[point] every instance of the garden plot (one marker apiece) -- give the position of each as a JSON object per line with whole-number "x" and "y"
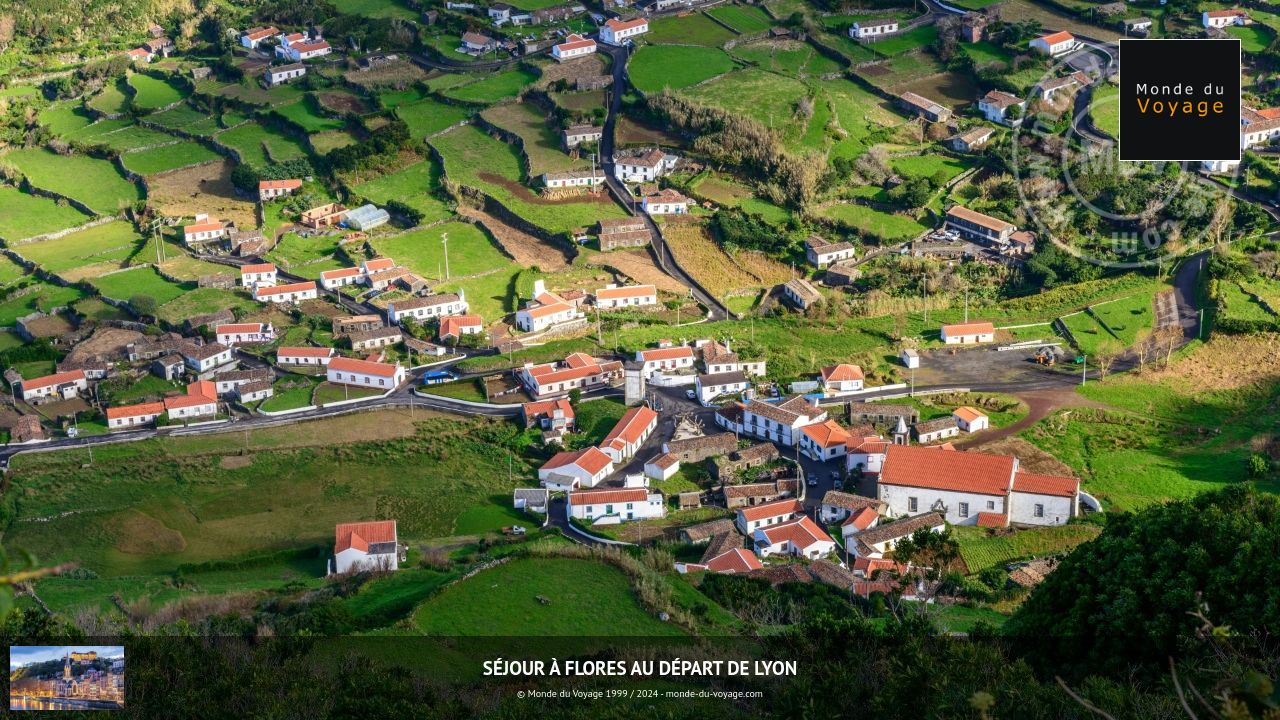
{"x": 416, "y": 185}
{"x": 151, "y": 93}
{"x": 94, "y": 182}
{"x": 541, "y": 141}
{"x": 24, "y": 216}
{"x": 471, "y": 252}
{"x": 474, "y": 159}
{"x": 259, "y": 145}
{"x": 745, "y": 19}
{"x": 493, "y": 88}
{"x": 672, "y": 67}
{"x": 84, "y": 253}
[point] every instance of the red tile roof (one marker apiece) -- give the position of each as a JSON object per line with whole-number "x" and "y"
{"x": 800, "y": 532}
{"x": 1063, "y": 36}
{"x": 617, "y": 25}
{"x": 937, "y": 469}
{"x": 379, "y": 263}
{"x": 575, "y": 42}
{"x": 861, "y": 519}
{"x": 453, "y": 324}
{"x": 124, "y": 411}
{"x": 626, "y": 291}
{"x": 279, "y": 184}
{"x": 54, "y": 379}
{"x": 632, "y": 425}
{"x": 773, "y": 509}
{"x": 601, "y": 497}
{"x": 593, "y": 460}
{"x": 968, "y": 414}
{"x": 239, "y": 328}
{"x": 841, "y": 373}
{"x": 203, "y": 227}
{"x": 973, "y": 328}
{"x": 672, "y": 353}
{"x": 545, "y": 407}
{"x": 304, "y": 352}
{"x": 284, "y": 289}
{"x": 364, "y": 367}
{"x": 992, "y": 520}
{"x": 826, "y": 434}
{"x": 341, "y": 273}
{"x": 1026, "y": 482}
{"x": 258, "y": 268}
{"x": 360, "y": 535}
{"x": 734, "y": 561}
{"x": 978, "y": 218}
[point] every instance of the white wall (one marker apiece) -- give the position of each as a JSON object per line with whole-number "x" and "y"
{"x": 1057, "y": 510}
{"x": 896, "y": 497}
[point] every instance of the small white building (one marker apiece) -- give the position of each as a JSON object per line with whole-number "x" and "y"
{"x": 665, "y": 359}
{"x": 995, "y": 107}
{"x": 910, "y": 358}
{"x": 254, "y": 36}
{"x": 801, "y": 293}
{"x": 934, "y": 430}
{"x": 824, "y": 441}
{"x": 258, "y": 275}
{"x": 665, "y": 202}
{"x": 304, "y": 356}
{"x": 710, "y": 387}
{"x": 646, "y": 167}
{"x": 539, "y": 317}
{"x": 1055, "y": 44}
{"x": 872, "y": 29}
{"x": 749, "y": 519}
{"x": 272, "y": 189}
{"x": 127, "y": 416}
{"x": 968, "y": 333}
{"x": 334, "y": 279}
{"x": 206, "y": 230}
{"x": 457, "y": 326}
{"x": 63, "y": 386}
{"x": 629, "y": 434}
{"x": 364, "y": 373}
{"x": 298, "y": 47}
{"x": 201, "y": 359}
{"x": 573, "y": 178}
{"x": 800, "y": 537}
{"x": 610, "y": 506}
{"x": 1224, "y": 18}
{"x": 291, "y": 293}
{"x": 614, "y": 297}
{"x": 841, "y": 378}
{"x": 620, "y": 32}
{"x": 280, "y": 74}
{"x": 421, "y": 308}
{"x": 574, "y": 46}
{"x": 572, "y": 470}
{"x": 366, "y": 547}
{"x": 200, "y": 401}
{"x": 232, "y": 334}
{"x": 971, "y": 419}
{"x": 882, "y": 538}
{"x": 821, "y": 253}
{"x": 864, "y": 455}
{"x": 780, "y": 422}
{"x": 662, "y": 466}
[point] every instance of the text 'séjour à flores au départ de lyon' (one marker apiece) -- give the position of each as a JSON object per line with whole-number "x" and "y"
{"x": 1180, "y": 100}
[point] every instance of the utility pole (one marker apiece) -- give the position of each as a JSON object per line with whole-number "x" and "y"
{"x": 444, "y": 240}
{"x": 1200, "y": 326}
{"x": 966, "y": 305}
{"x": 1084, "y": 369}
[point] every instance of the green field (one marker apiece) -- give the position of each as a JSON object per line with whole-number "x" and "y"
{"x": 96, "y": 183}
{"x": 65, "y": 118}
{"x": 690, "y": 30}
{"x": 497, "y": 87}
{"x": 312, "y": 253}
{"x": 773, "y": 103}
{"x": 655, "y": 67}
{"x": 143, "y": 280}
{"x": 910, "y": 40}
{"x": 470, "y": 250}
{"x": 981, "y": 549}
{"x": 928, "y": 166}
{"x": 306, "y": 115}
{"x": 109, "y": 245}
{"x": 859, "y": 113}
{"x": 1104, "y": 108}
{"x": 878, "y": 224}
{"x": 111, "y": 100}
{"x": 167, "y": 157}
{"x": 260, "y": 145}
{"x": 200, "y": 301}
{"x": 745, "y": 19}
{"x": 186, "y": 118}
{"x": 378, "y": 9}
{"x": 725, "y": 191}
{"x": 392, "y": 99}
{"x": 1127, "y": 318}
{"x": 415, "y": 185}
{"x": 324, "y": 142}
{"x": 504, "y": 602}
{"x": 24, "y": 216}
{"x": 152, "y": 93}
{"x": 45, "y": 299}
{"x": 1253, "y": 38}
{"x": 473, "y": 158}
{"x": 789, "y": 57}
{"x": 541, "y": 140}
{"x": 131, "y": 137}
{"x": 430, "y": 116}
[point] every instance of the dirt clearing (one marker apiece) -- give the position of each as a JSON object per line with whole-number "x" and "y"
{"x": 639, "y": 266}
{"x": 201, "y": 189}
{"x": 527, "y": 250}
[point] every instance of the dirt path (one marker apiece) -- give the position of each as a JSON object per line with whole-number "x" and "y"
{"x": 1041, "y": 404}
{"x": 527, "y": 250}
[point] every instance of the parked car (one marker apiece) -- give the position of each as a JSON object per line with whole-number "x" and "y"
{"x": 691, "y": 394}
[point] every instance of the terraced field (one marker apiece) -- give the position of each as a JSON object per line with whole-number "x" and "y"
{"x": 96, "y": 183}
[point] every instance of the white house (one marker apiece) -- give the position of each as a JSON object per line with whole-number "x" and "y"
{"x": 934, "y": 430}
{"x": 710, "y": 387}
{"x": 865, "y": 453}
{"x": 824, "y": 441}
{"x": 995, "y": 106}
{"x": 272, "y": 189}
{"x": 969, "y": 488}
{"x": 614, "y": 297}
{"x": 606, "y": 506}
{"x": 572, "y": 470}
{"x": 303, "y": 48}
{"x": 579, "y": 371}
{"x": 718, "y": 358}
{"x": 629, "y": 434}
{"x": 644, "y": 168}
{"x": 499, "y": 13}
{"x": 968, "y": 333}
{"x": 879, "y": 539}
{"x": 239, "y": 333}
{"x": 63, "y": 385}
{"x": 1220, "y": 166}
{"x": 801, "y": 293}
{"x": 971, "y": 419}
{"x": 665, "y": 202}
{"x": 662, "y": 466}
{"x": 749, "y": 519}
{"x": 201, "y": 400}
{"x": 1055, "y": 44}
{"x": 127, "y": 416}
{"x": 574, "y": 46}
{"x": 668, "y": 358}
{"x": 780, "y": 422}
{"x": 421, "y": 308}
{"x": 821, "y": 253}
{"x": 872, "y": 29}
{"x": 573, "y": 178}
{"x": 313, "y": 356}
{"x": 838, "y": 506}
{"x": 619, "y": 32}
{"x": 291, "y": 293}
{"x": 910, "y": 358}
{"x": 334, "y": 279}
{"x": 365, "y": 373}
{"x": 800, "y": 537}
{"x": 545, "y": 310}
{"x": 203, "y": 358}
{"x": 254, "y": 391}
{"x": 1257, "y": 127}
{"x": 278, "y": 74}
{"x": 258, "y": 275}
{"x": 841, "y": 378}
{"x": 366, "y": 546}
{"x": 252, "y": 37}
{"x": 206, "y": 230}
{"x": 456, "y": 326}
{"x": 1224, "y": 18}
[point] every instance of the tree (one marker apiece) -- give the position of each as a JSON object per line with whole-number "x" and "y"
{"x": 1125, "y": 599}
{"x": 143, "y": 304}
{"x": 929, "y": 556}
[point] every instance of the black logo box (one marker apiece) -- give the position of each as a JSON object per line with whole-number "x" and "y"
{"x": 1180, "y": 137}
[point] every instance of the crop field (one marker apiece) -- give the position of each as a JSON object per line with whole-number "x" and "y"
{"x": 379, "y": 9}
{"x": 429, "y": 116}
{"x": 887, "y": 227}
{"x": 789, "y": 57}
{"x": 129, "y": 137}
{"x": 96, "y": 183}
{"x": 473, "y": 158}
{"x": 690, "y": 30}
{"x": 151, "y": 524}
{"x": 490, "y": 90}
{"x": 982, "y": 549}
{"x": 201, "y": 189}
{"x": 745, "y": 19}
{"x": 541, "y": 140}
{"x": 655, "y": 67}
{"x": 307, "y": 116}
{"x": 168, "y": 157}
{"x": 1104, "y": 108}
{"x": 415, "y": 185}
{"x": 152, "y": 93}
{"x": 720, "y": 273}
{"x": 86, "y": 252}
{"x": 143, "y": 280}
{"x": 504, "y": 602}
{"x": 471, "y": 252}
{"x": 949, "y": 88}
{"x": 260, "y": 145}
{"x": 186, "y": 118}
{"x": 24, "y": 216}
{"x": 45, "y": 299}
